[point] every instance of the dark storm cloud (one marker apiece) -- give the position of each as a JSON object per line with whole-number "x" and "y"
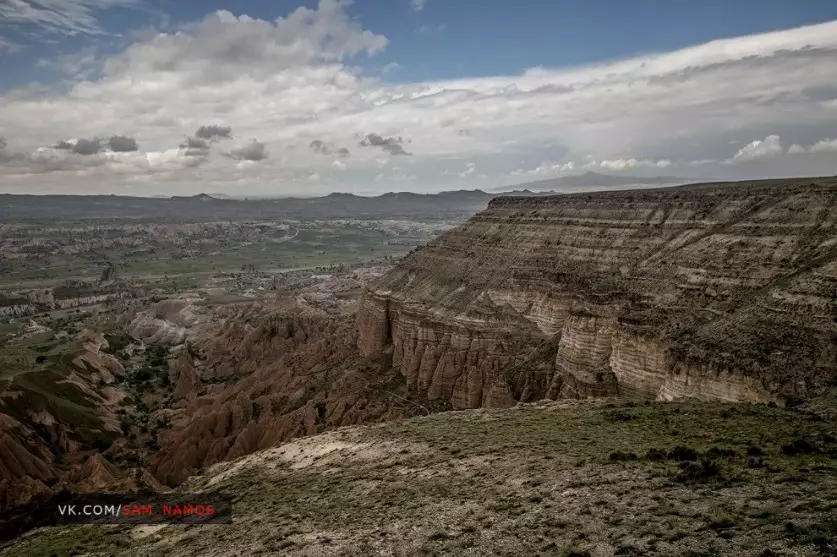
{"x": 214, "y": 133}
{"x": 122, "y": 144}
{"x": 195, "y": 146}
{"x": 87, "y": 146}
{"x": 324, "y": 148}
{"x": 80, "y": 147}
{"x": 391, "y": 145}
{"x": 320, "y": 147}
{"x": 63, "y": 145}
{"x": 253, "y": 151}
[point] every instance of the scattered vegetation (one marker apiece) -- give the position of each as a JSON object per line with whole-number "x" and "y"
{"x": 544, "y": 479}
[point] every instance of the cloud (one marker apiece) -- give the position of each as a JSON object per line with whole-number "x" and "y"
{"x": 824, "y": 146}
{"x": 391, "y": 145}
{"x": 116, "y": 144}
{"x": 253, "y": 151}
{"x": 391, "y": 67}
{"x": 214, "y": 133}
{"x": 426, "y": 29}
{"x": 86, "y": 146}
{"x": 611, "y": 165}
{"x": 9, "y": 47}
{"x": 417, "y": 5}
{"x": 79, "y": 65}
{"x": 58, "y": 160}
{"x": 323, "y": 148}
{"x": 296, "y": 79}
{"x": 70, "y": 17}
{"x": 470, "y": 169}
{"x": 195, "y": 144}
{"x": 199, "y": 144}
{"x": 319, "y": 147}
{"x": 546, "y": 169}
{"x": 223, "y": 47}
{"x": 623, "y": 164}
{"x": 6, "y": 155}
{"x": 122, "y": 144}
{"x": 768, "y": 148}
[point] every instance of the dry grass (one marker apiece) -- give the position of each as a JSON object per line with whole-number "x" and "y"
{"x": 601, "y": 478}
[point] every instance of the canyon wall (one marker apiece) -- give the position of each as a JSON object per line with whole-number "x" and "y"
{"x": 715, "y": 291}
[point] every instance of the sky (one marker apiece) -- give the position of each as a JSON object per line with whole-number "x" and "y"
{"x": 178, "y": 97}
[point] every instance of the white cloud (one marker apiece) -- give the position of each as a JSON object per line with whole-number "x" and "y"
{"x": 426, "y": 29}
{"x": 292, "y": 81}
{"x": 768, "y": 148}
{"x": 550, "y": 169}
{"x": 391, "y": 67}
{"x": 470, "y": 170}
{"x": 418, "y": 5}
{"x": 71, "y": 17}
{"x": 546, "y": 169}
{"x": 80, "y": 65}
{"x": 824, "y": 146}
{"x": 624, "y": 164}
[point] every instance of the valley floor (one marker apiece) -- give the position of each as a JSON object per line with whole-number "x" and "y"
{"x": 600, "y": 478}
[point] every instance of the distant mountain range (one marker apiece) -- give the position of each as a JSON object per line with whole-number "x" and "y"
{"x": 449, "y": 204}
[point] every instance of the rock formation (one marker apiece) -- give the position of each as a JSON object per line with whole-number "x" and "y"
{"x": 267, "y": 375}
{"x": 717, "y": 291}
{"x": 50, "y": 420}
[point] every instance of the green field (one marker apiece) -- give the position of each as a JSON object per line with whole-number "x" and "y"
{"x": 310, "y": 248}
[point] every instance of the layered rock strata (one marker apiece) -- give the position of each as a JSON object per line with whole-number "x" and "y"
{"x": 715, "y": 291}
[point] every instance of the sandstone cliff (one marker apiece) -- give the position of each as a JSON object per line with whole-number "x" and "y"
{"x": 717, "y": 291}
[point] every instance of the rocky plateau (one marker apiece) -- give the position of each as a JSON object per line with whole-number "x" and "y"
{"x": 715, "y": 291}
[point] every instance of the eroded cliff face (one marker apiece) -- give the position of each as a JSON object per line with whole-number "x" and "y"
{"x": 258, "y": 375}
{"x": 49, "y": 421}
{"x": 721, "y": 291}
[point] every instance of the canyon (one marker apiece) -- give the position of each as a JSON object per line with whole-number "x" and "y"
{"x": 712, "y": 291}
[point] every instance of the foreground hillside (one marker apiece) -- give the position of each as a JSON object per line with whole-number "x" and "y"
{"x": 717, "y": 291}
{"x": 569, "y": 478}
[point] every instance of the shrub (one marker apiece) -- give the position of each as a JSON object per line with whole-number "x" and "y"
{"x": 721, "y": 522}
{"x": 655, "y": 455}
{"x": 797, "y": 447}
{"x": 102, "y": 443}
{"x": 619, "y": 417}
{"x": 754, "y": 451}
{"x": 681, "y": 454}
{"x": 717, "y": 452}
{"x": 623, "y": 457}
{"x": 698, "y": 472}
